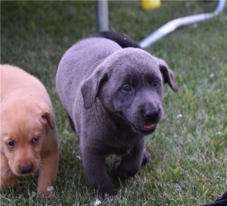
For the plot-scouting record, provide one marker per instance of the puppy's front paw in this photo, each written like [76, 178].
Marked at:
[47, 191]
[104, 190]
[109, 193]
[146, 158]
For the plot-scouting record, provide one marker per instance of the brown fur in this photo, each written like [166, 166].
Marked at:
[28, 139]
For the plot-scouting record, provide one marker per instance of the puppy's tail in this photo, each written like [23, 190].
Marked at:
[120, 39]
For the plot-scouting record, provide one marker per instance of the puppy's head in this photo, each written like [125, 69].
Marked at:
[24, 130]
[129, 83]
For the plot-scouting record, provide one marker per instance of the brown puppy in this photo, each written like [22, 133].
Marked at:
[28, 138]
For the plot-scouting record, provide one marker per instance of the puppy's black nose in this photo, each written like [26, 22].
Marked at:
[151, 113]
[26, 169]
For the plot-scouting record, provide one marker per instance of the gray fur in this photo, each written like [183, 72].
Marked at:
[92, 81]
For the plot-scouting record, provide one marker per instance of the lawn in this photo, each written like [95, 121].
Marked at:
[189, 148]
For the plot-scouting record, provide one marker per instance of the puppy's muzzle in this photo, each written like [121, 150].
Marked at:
[25, 169]
[151, 115]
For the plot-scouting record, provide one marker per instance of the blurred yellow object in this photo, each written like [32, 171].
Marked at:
[150, 4]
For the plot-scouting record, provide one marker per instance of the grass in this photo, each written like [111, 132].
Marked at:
[189, 149]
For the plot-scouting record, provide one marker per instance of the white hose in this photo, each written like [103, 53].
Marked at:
[174, 24]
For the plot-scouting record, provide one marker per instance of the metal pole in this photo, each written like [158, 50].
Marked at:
[102, 15]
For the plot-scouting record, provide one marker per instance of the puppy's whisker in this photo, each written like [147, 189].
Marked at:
[7, 171]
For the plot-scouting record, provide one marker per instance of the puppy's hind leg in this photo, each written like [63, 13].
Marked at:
[7, 178]
[146, 158]
[130, 164]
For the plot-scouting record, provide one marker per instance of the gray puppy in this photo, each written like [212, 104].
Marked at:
[113, 97]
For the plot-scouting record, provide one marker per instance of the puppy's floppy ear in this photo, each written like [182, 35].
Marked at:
[91, 86]
[47, 117]
[168, 74]
[46, 114]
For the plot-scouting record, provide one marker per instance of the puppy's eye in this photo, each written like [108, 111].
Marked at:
[35, 140]
[10, 143]
[127, 88]
[156, 83]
